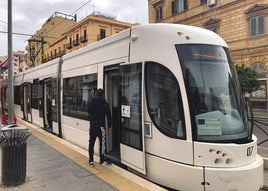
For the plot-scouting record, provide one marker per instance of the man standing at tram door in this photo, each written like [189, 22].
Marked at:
[97, 110]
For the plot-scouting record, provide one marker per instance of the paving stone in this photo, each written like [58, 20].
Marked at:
[49, 170]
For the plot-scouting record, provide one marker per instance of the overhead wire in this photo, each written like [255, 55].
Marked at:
[23, 34]
[71, 14]
[81, 7]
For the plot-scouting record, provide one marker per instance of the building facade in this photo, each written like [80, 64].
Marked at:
[89, 30]
[19, 64]
[241, 23]
[52, 29]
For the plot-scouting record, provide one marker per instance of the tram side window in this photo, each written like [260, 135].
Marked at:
[28, 96]
[4, 97]
[164, 100]
[21, 97]
[54, 97]
[77, 93]
[131, 88]
[35, 94]
[40, 98]
[17, 95]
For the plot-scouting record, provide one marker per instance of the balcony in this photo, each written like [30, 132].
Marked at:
[61, 53]
[69, 45]
[83, 39]
[58, 54]
[76, 42]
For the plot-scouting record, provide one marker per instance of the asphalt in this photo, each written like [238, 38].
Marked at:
[261, 131]
[54, 164]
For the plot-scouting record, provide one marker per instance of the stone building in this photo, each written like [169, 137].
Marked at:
[241, 23]
[52, 29]
[19, 64]
[89, 30]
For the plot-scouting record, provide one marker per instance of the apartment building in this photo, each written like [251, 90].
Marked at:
[89, 30]
[19, 64]
[56, 25]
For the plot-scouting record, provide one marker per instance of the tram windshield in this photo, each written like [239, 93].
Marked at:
[215, 99]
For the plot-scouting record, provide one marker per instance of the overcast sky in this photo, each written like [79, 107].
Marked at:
[29, 15]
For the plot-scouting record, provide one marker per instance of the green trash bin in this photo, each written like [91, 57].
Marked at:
[14, 151]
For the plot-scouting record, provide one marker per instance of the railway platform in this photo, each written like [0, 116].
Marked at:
[55, 164]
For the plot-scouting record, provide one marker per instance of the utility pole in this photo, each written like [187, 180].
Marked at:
[33, 52]
[10, 66]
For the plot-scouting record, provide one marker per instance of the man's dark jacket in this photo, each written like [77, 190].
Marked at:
[97, 110]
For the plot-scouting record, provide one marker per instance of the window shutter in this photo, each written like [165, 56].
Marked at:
[173, 7]
[253, 25]
[185, 4]
[260, 25]
[179, 6]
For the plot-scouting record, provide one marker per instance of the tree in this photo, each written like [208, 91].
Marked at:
[247, 78]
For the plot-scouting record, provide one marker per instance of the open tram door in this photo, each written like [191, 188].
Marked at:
[111, 88]
[132, 117]
[47, 98]
[27, 99]
[126, 83]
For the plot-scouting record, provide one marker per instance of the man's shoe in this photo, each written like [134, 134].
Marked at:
[91, 164]
[105, 163]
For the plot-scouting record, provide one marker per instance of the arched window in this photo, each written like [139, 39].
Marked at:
[261, 93]
[260, 69]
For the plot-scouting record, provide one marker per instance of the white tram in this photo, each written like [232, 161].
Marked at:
[178, 115]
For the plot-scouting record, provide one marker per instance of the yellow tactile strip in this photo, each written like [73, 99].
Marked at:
[113, 175]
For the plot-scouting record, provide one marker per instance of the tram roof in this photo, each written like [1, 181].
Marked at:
[158, 33]
[178, 34]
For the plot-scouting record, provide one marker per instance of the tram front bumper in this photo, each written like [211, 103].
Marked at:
[245, 178]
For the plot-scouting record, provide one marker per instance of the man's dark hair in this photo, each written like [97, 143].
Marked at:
[100, 92]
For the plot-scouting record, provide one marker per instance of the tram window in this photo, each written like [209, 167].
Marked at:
[213, 92]
[40, 98]
[4, 97]
[54, 99]
[35, 94]
[164, 100]
[28, 97]
[131, 126]
[21, 97]
[77, 93]
[17, 95]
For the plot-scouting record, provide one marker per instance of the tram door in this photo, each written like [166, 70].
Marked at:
[111, 88]
[132, 150]
[123, 91]
[27, 90]
[4, 98]
[47, 97]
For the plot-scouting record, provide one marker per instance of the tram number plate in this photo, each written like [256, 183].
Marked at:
[249, 151]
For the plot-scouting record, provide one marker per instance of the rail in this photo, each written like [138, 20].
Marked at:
[258, 122]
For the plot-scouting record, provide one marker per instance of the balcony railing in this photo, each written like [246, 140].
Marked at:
[83, 39]
[69, 45]
[53, 56]
[76, 42]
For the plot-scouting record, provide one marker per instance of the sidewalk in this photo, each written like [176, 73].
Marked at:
[55, 164]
